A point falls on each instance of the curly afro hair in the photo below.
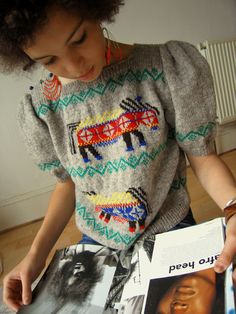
(20, 20)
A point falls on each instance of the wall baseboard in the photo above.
(24, 208)
(225, 139)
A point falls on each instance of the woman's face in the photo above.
(194, 293)
(69, 47)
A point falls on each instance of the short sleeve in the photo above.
(191, 111)
(38, 141)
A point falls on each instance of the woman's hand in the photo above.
(17, 283)
(229, 250)
(220, 184)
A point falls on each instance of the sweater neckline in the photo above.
(107, 72)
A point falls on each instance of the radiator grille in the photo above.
(221, 56)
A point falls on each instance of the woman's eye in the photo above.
(77, 42)
(79, 267)
(51, 61)
(81, 40)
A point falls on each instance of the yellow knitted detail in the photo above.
(100, 118)
(115, 198)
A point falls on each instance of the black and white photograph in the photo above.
(77, 281)
(130, 297)
(132, 305)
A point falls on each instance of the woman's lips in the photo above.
(87, 75)
(185, 290)
(183, 293)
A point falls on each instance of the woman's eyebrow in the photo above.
(67, 40)
(74, 31)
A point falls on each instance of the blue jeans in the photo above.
(87, 240)
(186, 222)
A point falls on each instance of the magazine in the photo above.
(168, 273)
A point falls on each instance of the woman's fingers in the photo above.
(12, 293)
(229, 250)
(26, 288)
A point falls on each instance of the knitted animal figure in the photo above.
(106, 133)
(130, 206)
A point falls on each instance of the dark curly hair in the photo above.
(21, 19)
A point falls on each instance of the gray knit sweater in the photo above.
(122, 138)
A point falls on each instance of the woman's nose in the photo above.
(74, 65)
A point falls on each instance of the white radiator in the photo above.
(221, 55)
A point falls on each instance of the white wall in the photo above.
(21, 183)
(24, 190)
(153, 21)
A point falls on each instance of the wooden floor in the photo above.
(14, 244)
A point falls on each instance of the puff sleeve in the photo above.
(191, 111)
(38, 141)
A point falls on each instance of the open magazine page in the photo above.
(182, 278)
(186, 250)
(77, 281)
(168, 273)
(131, 300)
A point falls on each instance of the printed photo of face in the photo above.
(194, 293)
(187, 294)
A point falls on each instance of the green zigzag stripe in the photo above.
(110, 234)
(100, 89)
(177, 184)
(117, 165)
(49, 166)
(202, 131)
